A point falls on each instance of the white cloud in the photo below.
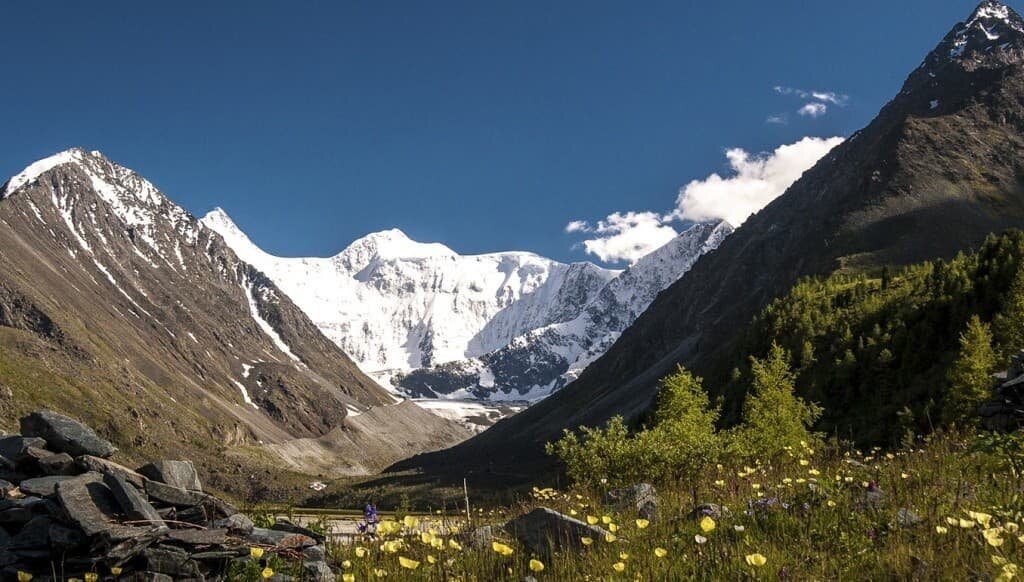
(625, 236)
(833, 97)
(779, 119)
(757, 180)
(813, 110)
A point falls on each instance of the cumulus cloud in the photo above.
(813, 110)
(625, 236)
(833, 97)
(754, 181)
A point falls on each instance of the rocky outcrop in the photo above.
(106, 518)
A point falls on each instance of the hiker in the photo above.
(370, 519)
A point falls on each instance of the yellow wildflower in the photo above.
(256, 553)
(618, 566)
(267, 573)
(407, 563)
(591, 519)
(348, 577)
(941, 530)
(623, 556)
(116, 571)
(431, 559)
(707, 524)
(91, 577)
(606, 519)
(454, 545)
(756, 560)
(361, 552)
(642, 523)
(24, 576)
(536, 566)
(346, 564)
(410, 522)
(993, 537)
(586, 541)
(660, 552)
(613, 527)
(502, 548)
(609, 537)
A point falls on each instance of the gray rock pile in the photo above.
(65, 507)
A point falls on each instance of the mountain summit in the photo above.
(939, 168)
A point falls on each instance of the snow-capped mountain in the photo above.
(432, 323)
(112, 294)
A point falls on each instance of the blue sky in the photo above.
(483, 125)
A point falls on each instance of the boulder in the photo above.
(90, 505)
(42, 486)
(15, 448)
(170, 561)
(172, 495)
(544, 529)
(65, 434)
(641, 498)
(238, 524)
(105, 467)
(133, 503)
(270, 537)
(712, 510)
(318, 571)
(181, 474)
(58, 464)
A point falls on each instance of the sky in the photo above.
(579, 130)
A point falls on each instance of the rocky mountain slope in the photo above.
(936, 171)
(120, 306)
(435, 324)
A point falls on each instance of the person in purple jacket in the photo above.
(370, 519)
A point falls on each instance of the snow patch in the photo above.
(245, 394)
(264, 324)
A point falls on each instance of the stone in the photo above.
(906, 517)
(712, 510)
(5, 488)
(238, 524)
(15, 448)
(66, 539)
(133, 503)
(173, 562)
(314, 553)
(318, 571)
(181, 474)
(544, 529)
(6, 464)
(172, 495)
(199, 537)
(288, 526)
(105, 467)
(222, 554)
(58, 464)
(33, 535)
(89, 504)
(145, 577)
(66, 435)
(641, 498)
(284, 539)
(42, 486)
(16, 516)
(480, 538)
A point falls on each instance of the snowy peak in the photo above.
(993, 35)
(389, 245)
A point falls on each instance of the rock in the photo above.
(58, 464)
(288, 526)
(641, 498)
(134, 504)
(16, 516)
(480, 538)
(173, 562)
(906, 517)
(5, 488)
(315, 553)
(172, 495)
(6, 464)
(285, 539)
(146, 577)
(181, 474)
(105, 467)
(222, 554)
(318, 571)
(712, 510)
(42, 486)
(65, 539)
(66, 435)
(34, 535)
(543, 529)
(91, 506)
(199, 537)
(238, 524)
(14, 448)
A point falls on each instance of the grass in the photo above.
(945, 510)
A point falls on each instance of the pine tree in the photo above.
(774, 417)
(970, 378)
(1008, 326)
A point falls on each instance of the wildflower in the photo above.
(606, 519)
(660, 552)
(502, 548)
(719, 483)
(941, 530)
(830, 503)
(392, 547)
(814, 472)
(454, 545)
(610, 537)
(380, 573)
(707, 524)
(536, 566)
(256, 553)
(346, 564)
(755, 486)
(24, 576)
(267, 573)
(586, 541)
(348, 577)
(993, 537)
(431, 559)
(116, 571)
(804, 462)
(904, 476)
(787, 480)
(618, 566)
(613, 527)
(1010, 527)
(573, 512)
(591, 520)
(1008, 572)
(756, 560)
(983, 519)
(361, 552)
(739, 528)
(410, 522)
(91, 577)
(426, 538)
(407, 563)
(700, 539)
(642, 523)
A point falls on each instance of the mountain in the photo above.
(433, 324)
(938, 169)
(120, 307)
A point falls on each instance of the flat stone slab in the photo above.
(14, 448)
(65, 434)
(199, 537)
(172, 495)
(90, 504)
(42, 486)
(133, 503)
(58, 464)
(282, 539)
(181, 474)
(106, 467)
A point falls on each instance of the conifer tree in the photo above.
(970, 378)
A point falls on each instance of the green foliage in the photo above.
(868, 349)
(680, 445)
(970, 378)
(775, 419)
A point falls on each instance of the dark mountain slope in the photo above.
(938, 169)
